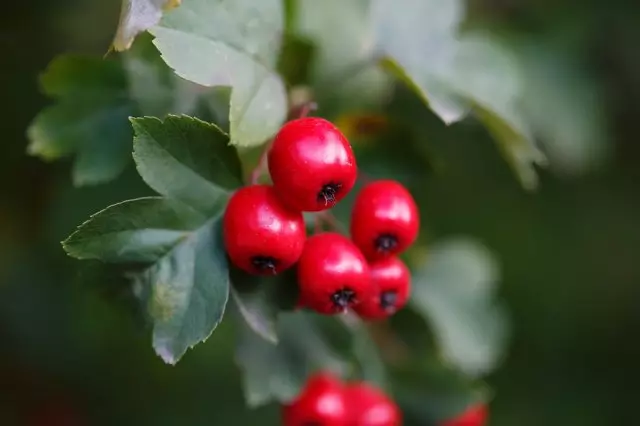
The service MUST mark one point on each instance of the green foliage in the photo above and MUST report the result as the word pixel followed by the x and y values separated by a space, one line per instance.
pixel 232 43
pixel 171 243
pixel 454 291
pixel 186 285
pixel 89 119
pixel 278 372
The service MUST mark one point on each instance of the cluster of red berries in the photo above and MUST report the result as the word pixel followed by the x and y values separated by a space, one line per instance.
pixel 326 401
pixel 312 167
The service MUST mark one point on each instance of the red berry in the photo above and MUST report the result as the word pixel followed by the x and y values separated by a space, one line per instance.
pixel 320 403
pixel 311 164
pixel 385 219
pixel 369 406
pixel 474 416
pixel 391 283
pixel 333 275
pixel 261 235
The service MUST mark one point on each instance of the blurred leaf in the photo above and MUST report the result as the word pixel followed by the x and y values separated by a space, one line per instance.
pixel 137 16
pixel 90 118
pixel 260 298
pixel 186 159
pixel 278 372
pixel 456 73
pixel 154 86
pixel 565 108
pixel 429 393
pixel 140 230
pixel 344 65
pixel 454 291
pixel 231 43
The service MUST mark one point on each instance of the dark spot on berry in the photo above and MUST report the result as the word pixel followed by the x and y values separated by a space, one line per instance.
pixel 343 298
pixel 388 300
pixel 327 194
pixel 385 243
pixel 264 264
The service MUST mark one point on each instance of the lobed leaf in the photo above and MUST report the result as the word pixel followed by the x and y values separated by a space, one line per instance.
pixel 186 159
pixel 454 291
pixel 458 73
pixel 232 43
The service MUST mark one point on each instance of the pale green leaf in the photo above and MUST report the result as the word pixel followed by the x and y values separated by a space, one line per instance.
pixel 458 73
pixel 232 43
pixel 455 292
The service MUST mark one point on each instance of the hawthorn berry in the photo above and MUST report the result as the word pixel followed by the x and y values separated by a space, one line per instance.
pixel 474 416
pixel 320 403
pixel 311 164
pixel 333 275
pixel 261 235
pixel 369 406
pixel 391 284
pixel 384 220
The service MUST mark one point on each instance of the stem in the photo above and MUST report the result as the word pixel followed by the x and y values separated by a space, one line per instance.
pixel 327 217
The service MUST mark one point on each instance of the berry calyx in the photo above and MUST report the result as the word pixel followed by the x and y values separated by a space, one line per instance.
pixel 333 275
pixel 474 416
pixel 321 402
pixel 391 285
pixel 369 406
pixel 261 235
pixel 384 220
pixel 311 164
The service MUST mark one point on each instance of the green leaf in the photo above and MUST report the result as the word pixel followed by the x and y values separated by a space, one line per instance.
pixel 430 393
pixel 137 16
pixel 454 291
pixel 90 118
pixel 278 372
pixel 186 291
pixel 345 62
pixel 260 298
pixel 458 73
pixel 232 43
pixel 140 230
pixel 186 159
pixel 155 88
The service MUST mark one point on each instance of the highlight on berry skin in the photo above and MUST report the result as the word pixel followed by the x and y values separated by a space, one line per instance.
pixel 312 164
pixel 261 235
pixel 385 220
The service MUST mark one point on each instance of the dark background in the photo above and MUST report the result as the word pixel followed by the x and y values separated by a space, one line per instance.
pixel 569 251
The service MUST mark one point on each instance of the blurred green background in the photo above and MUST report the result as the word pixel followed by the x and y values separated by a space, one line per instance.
pixel 72 353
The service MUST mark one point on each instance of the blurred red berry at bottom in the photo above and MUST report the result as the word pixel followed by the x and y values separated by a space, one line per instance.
pixel 369 406
pixel 320 403
pixel 474 416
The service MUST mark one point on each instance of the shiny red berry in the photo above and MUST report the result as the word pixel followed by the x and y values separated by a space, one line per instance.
pixel 369 406
pixel 333 275
pixel 312 165
pixel 474 416
pixel 261 235
pixel 391 284
pixel 320 403
pixel 384 220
